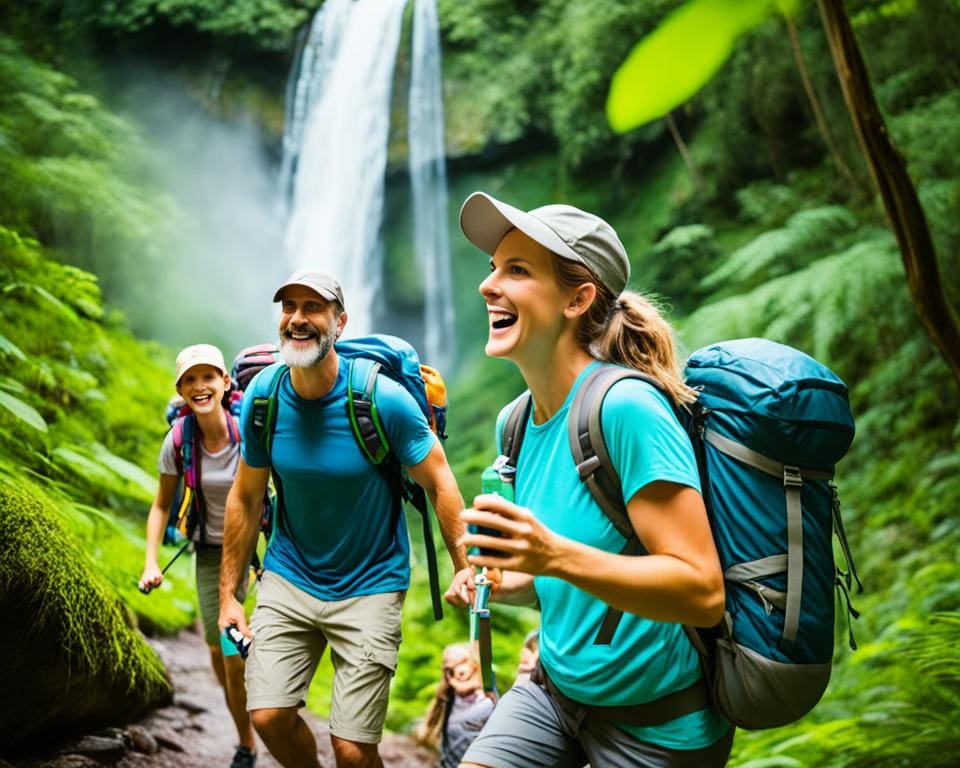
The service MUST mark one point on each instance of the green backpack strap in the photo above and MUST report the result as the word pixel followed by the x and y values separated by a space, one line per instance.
pixel 263 410
pixel 371 438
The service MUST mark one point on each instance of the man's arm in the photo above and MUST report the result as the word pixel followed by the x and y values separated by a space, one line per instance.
pixel 240 529
pixel 434 476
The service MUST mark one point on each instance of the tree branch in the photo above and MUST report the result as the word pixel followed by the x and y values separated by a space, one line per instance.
pixel 896 187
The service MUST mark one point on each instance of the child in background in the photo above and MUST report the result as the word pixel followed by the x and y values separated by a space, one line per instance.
pixel 459 709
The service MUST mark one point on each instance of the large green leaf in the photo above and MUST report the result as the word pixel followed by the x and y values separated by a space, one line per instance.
pixel 22 411
pixel 7 347
pixel 680 56
pixel 126 469
pixel 82 464
pixel 42 293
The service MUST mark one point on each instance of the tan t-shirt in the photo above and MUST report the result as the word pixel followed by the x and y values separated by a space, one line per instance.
pixel 216 476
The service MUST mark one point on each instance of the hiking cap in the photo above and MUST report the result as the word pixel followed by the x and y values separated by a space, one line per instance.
pixel 562 229
pixel 318 280
pixel 199 354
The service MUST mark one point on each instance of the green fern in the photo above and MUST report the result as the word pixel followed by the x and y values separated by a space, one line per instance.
pixel 812 308
pixel 806 236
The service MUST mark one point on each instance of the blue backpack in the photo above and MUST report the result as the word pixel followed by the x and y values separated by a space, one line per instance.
pixel 370 357
pixel 767 428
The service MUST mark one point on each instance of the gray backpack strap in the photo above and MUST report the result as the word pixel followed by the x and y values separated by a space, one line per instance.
pixel 596 470
pixel 693 698
pixel 589 449
pixel 515 427
pixel 793 478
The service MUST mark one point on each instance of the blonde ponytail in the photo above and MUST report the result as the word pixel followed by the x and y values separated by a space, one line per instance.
pixel 627 330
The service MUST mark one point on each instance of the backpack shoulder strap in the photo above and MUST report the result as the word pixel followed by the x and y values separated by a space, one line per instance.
pixel 233 431
pixel 515 427
pixel 589 448
pixel 177 429
pixel 371 438
pixel 362 410
pixel 185 438
pixel 594 466
pixel 263 409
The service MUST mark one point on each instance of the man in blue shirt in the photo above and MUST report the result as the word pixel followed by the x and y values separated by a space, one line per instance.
pixel 338 564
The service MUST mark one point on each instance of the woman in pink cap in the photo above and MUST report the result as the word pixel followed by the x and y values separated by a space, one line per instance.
pixel 205 437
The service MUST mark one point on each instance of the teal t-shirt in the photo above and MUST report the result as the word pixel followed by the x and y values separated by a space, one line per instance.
pixel 647 659
pixel 334 538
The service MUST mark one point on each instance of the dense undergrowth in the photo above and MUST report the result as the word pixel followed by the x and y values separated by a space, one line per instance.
pixel 757 234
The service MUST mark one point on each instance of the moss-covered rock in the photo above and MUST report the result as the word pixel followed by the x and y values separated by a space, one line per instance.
pixel 73 659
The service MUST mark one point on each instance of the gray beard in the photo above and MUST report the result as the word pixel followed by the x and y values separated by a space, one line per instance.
pixel 307 358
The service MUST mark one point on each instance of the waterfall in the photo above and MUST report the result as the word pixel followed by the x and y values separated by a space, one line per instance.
pixel 428 180
pixel 338 169
pixel 335 152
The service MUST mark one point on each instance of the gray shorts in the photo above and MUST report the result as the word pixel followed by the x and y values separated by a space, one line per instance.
pixel 528 729
pixel 291 630
pixel 207 564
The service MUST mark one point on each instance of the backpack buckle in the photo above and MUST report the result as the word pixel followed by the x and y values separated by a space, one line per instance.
pixel 792 477
pixel 588 466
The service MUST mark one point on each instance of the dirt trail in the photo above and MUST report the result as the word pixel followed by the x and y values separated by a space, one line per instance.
pixel 206 731
pixel 196 730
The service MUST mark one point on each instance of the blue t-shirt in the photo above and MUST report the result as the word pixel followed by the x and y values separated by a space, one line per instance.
pixel 334 537
pixel 647 659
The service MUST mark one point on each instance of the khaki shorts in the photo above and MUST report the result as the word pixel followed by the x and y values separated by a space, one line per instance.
pixel 291 629
pixel 207 563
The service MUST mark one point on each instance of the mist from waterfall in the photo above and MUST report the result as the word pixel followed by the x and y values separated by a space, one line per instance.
pixel 428 181
pixel 335 152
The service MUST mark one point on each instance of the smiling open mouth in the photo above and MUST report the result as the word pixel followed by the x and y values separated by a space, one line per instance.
pixel 500 320
pixel 300 335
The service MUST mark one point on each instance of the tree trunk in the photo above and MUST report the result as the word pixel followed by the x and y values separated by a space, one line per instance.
pixel 822 125
pixel 896 187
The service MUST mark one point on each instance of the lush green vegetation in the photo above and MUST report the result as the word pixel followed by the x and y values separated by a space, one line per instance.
pixel 755 232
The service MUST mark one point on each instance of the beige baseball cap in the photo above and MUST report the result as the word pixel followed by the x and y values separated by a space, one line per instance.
pixel 319 280
pixel 562 229
pixel 199 354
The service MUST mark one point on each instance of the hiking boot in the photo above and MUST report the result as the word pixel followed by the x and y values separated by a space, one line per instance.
pixel 243 758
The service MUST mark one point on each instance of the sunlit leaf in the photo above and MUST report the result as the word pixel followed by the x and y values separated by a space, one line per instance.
pixel 7 347
pixel 93 471
pixel 12 385
pixel 124 468
pixel 44 294
pixel 680 56
pixel 22 411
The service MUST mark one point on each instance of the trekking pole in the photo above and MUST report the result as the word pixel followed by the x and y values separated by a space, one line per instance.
pixel 148 589
pixel 480 630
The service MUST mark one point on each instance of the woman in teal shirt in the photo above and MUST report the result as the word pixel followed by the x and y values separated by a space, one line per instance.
pixel 557 308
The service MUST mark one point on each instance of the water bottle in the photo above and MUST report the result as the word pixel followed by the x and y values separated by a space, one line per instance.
pixel 498 479
pixel 239 639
